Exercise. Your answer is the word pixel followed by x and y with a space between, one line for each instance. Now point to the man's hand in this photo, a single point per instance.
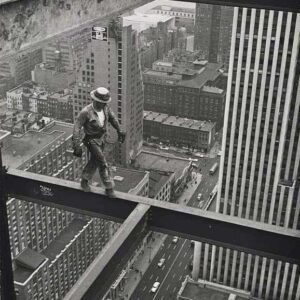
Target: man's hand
pixel 121 136
pixel 77 151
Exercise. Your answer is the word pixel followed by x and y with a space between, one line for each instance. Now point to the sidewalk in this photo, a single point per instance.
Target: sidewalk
pixel 188 193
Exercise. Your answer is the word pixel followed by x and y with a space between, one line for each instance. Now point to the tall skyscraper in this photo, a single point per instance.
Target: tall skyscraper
pixel 114 63
pixel 213 25
pixel 259 169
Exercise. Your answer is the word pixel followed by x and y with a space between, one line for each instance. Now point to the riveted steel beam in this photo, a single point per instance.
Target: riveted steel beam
pixel 192 223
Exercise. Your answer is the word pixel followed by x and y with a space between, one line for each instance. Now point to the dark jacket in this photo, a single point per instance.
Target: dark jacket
pixel 88 119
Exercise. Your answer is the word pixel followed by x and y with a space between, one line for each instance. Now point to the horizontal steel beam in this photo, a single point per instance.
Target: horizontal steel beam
pixel 67 195
pixel 99 276
pixel 192 223
pixel 286 5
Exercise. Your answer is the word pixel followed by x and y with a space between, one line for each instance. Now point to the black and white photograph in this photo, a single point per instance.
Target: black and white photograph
pixel 149 150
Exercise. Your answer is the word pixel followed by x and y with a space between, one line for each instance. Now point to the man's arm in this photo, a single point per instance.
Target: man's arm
pixel 113 120
pixel 77 126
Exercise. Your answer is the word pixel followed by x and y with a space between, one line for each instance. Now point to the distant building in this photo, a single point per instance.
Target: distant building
pixel 213 26
pixel 54 234
pixel 141 22
pixel 156 35
pixel 114 63
pixel 188 90
pixel 179 131
pixel 20 66
pixel 32 98
pixel 160 185
pixel 130 181
pixel 201 289
pixel 184 17
pixel 6 83
pixel 62 51
pixel 52 78
pixel 180 167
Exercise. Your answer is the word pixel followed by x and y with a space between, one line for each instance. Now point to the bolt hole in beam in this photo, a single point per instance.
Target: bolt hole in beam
pixel 287 5
pixel 187 222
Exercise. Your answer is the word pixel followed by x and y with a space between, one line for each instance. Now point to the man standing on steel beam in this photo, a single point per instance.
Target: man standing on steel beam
pixel 94 119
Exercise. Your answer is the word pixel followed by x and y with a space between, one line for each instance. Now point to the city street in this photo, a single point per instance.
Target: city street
pixel 178 256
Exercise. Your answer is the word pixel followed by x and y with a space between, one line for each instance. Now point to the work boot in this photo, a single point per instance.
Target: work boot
pixel 110 193
pixel 85 185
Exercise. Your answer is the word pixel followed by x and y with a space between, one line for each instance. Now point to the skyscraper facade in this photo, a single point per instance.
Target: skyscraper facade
pixel 259 169
pixel 115 64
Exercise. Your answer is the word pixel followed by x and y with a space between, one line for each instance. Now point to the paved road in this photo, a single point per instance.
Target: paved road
pixel 165 275
pixel 178 256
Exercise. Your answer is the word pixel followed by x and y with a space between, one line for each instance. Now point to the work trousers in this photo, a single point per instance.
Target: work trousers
pixel 97 160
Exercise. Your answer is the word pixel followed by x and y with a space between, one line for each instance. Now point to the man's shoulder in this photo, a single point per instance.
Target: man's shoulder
pixel 87 108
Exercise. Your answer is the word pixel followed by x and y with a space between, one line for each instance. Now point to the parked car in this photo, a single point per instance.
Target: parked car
pixel 155 287
pixel 161 262
pixel 199 196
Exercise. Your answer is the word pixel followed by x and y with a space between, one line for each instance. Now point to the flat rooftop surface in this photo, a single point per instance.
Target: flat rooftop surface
pixel 65 128
pixel 64 239
pixel 145 18
pixel 26 263
pixel 178 121
pixel 21 274
pixel 125 179
pixel 19 149
pixel 193 291
pixel 3 133
pixel 164 162
pixel 209 73
pixel 165 75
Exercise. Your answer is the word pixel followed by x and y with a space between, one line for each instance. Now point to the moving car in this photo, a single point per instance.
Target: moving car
pixel 161 262
pixel 155 287
pixel 175 239
pixel 213 169
pixel 164 147
pixel 199 196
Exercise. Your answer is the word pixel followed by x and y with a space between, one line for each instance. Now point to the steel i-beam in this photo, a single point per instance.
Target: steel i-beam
pixel 192 223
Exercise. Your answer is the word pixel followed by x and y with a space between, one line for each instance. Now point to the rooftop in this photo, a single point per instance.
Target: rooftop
pixel 210 72
pixel 166 75
pixel 212 89
pixel 30 89
pixel 178 121
pixel 146 18
pixel 126 180
pixel 3 134
pixel 27 262
pixel 18 150
pixel 174 8
pixel 202 289
pixel 162 162
pixel 64 239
